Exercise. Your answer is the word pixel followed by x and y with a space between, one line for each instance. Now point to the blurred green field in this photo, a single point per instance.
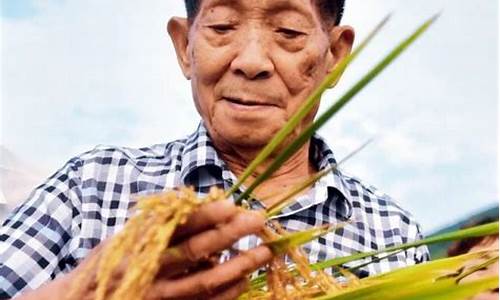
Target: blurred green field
pixel 439 250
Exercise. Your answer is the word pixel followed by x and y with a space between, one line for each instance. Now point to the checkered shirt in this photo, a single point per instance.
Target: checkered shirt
pixel 89 199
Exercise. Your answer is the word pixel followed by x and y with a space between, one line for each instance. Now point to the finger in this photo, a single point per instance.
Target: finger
pixel 233 291
pixel 206 282
pixel 179 269
pixel 207 216
pixel 214 240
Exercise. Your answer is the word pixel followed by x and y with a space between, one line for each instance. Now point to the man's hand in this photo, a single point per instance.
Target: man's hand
pixel 190 268
pixel 215 227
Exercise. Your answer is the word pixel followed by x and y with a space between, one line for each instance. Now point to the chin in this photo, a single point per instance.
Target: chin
pixel 251 137
pixel 246 130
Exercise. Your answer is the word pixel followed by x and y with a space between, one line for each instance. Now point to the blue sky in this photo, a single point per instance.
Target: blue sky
pixel 80 73
pixel 18 9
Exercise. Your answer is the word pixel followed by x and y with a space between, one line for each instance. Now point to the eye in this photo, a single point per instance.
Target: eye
pixel 289 33
pixel 221 28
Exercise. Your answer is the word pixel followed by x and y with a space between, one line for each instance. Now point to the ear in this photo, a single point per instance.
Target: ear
pixel 178 29
pixel 341 41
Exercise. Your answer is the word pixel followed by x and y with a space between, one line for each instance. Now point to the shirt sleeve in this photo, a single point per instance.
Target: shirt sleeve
pixel 418 254
pixel 36 240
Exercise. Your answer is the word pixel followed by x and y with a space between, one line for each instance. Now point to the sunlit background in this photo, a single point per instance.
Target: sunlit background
pixel 75 74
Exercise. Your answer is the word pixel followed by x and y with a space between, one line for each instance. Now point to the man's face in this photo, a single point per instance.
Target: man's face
pixel 252 63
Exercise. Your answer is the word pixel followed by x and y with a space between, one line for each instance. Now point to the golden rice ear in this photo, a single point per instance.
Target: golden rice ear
pixel 142 241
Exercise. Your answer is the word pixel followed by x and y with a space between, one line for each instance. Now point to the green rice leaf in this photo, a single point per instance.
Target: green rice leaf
pixel 304 109
pixel 333 109
pixel 482 230
pixel 446 289
pixel 423 281
pixel 451 267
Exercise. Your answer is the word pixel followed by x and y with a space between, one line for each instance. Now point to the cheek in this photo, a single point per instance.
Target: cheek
pixel 208 65
pixel 209 57
pixel 303 71
pixel 312 67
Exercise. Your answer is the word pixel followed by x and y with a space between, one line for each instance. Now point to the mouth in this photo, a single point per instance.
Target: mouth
pixel 249 103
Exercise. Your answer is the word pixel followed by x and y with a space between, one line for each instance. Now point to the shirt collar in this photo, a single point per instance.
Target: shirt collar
pixel 335 182
pixel 199 156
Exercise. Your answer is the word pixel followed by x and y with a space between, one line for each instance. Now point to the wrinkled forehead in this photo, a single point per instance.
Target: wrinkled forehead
pixel 303 7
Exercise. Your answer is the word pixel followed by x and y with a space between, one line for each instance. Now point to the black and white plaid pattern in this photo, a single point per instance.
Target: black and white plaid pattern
pixel 89 199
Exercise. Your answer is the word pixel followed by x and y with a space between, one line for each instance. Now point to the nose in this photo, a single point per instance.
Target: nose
pixel 252 60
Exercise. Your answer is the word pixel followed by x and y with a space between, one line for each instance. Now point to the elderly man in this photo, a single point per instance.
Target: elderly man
pixel 251 64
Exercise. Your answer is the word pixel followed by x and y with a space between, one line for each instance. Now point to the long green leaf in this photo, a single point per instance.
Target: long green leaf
pixel 430 290
pixel 439 269
pixel 304 109
pixel 415 278
pixel 333 109
pixel 431 279
pixel 482 230
pixel 447 290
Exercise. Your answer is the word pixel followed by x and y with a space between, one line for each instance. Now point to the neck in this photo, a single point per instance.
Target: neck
pixel 294 171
